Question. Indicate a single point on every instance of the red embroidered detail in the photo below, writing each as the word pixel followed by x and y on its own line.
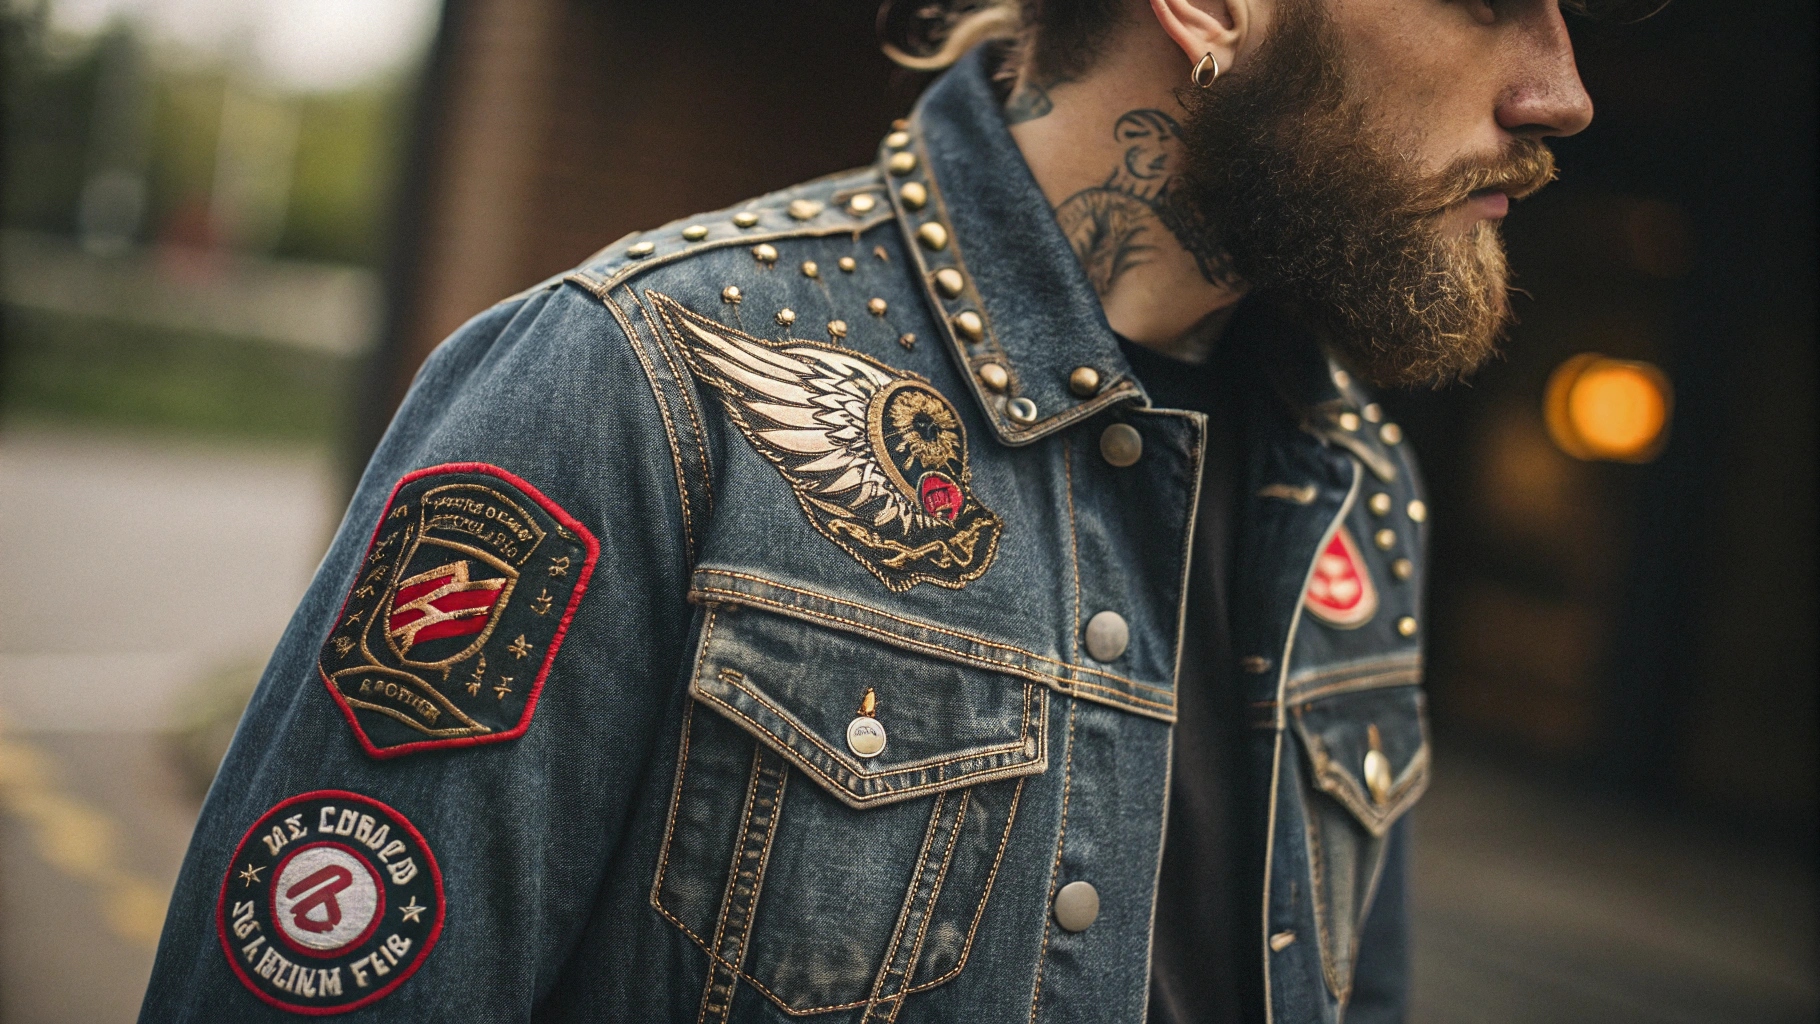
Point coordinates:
pixel 461 584
pixel 940 497
pixel 1340 591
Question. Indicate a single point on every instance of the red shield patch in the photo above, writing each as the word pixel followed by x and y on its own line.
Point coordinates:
pixel 1340 591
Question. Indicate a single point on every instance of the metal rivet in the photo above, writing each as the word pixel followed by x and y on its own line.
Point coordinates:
pixel 745 219
pixel 861 204
pixel 907 340
pixel 899 124
pixel 933 236
pixel 765 253
pixel 1256 664
pixel 1379 504
pixel 695 232
pixel 1373 412
pixel 810 269
pixel 640 250
pixel 1377 775
pixel 1021 410
pixel 1077 906
pixel 1107 636
pixel 969 323
pixel 1342 379
pixel 1084 381
pixel 837 328
pixel 1281 941
pixel 950 281
pixel 847 263
pixel 1418 511
pixel 803 209
pixel 1385 539
pixel 1121 445
pixel 1402 568
pixel 1390 433
pixel 876 306
pixel 730 293
pixel 1406 626
pixel 897 139
pixel 901 163
pixel 866 736
pixel 994 376
pixel 913 194
pixel 1349 421
pixel 786 316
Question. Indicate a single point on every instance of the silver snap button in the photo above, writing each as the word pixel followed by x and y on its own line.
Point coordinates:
pixel 1107 636
pixel 1121 444
pixel 866 736
pixel 1076 906
pixel 1021 410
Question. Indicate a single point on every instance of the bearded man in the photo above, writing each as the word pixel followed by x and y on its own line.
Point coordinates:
pixel 977 587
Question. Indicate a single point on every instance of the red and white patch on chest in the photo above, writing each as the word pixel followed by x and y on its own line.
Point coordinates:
pixel 1340 592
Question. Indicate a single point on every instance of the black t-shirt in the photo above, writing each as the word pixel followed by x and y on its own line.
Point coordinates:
pixel 1199 970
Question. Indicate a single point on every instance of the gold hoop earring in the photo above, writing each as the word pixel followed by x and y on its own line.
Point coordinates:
pixel 1208 60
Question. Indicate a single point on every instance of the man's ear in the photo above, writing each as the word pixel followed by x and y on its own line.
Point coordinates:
pixel 1200 27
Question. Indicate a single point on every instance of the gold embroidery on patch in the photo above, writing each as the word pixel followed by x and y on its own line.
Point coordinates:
pixel 876 456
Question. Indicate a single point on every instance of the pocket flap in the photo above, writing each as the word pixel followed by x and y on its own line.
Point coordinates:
pixel 798 688
pixel 1367 744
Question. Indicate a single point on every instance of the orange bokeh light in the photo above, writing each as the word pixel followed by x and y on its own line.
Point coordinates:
pixel 1612 409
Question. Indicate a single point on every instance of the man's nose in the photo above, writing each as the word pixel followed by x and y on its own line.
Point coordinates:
pixel 1545 97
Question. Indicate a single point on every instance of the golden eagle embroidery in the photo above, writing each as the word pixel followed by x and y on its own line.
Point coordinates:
pixel 876 456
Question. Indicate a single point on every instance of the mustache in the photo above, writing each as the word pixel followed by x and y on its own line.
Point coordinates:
pixel 1519 172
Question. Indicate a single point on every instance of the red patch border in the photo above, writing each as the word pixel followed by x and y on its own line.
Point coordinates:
pixel 582 576
pixel 429 940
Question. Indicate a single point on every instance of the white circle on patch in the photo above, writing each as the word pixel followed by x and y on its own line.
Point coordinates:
pixel 326 898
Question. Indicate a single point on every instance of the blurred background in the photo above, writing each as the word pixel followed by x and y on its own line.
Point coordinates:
pixel 231 229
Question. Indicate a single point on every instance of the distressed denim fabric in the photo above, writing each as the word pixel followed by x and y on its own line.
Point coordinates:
pixel 684 831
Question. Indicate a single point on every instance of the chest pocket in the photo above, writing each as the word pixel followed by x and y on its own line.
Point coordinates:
pixel 824 879
pixel 1365 733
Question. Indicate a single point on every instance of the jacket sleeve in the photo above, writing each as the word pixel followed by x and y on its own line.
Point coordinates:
pixel 549 390
pixel 1380 986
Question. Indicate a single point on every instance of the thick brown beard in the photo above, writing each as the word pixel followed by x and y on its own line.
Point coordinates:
pixel 1323 219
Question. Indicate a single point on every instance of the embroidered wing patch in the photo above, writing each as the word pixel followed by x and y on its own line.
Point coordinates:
pixel 332 900
pixel 457 612
pixel 877 456
pixel 1340 592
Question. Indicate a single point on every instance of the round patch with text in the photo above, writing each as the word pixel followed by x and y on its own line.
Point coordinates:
pixel 333 899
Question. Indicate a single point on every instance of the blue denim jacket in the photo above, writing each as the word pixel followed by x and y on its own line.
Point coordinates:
pixel 707 641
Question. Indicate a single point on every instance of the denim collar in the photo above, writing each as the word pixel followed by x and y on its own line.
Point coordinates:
pixel 1015 303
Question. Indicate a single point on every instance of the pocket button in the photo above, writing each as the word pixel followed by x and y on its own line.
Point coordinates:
pixel 1076 906
pixel 866 736
pixel 1107 636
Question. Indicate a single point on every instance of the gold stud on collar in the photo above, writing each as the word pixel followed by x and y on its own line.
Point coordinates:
pixel 876 307
pixel 1402 568
pixel 1418 511
pixel 994 376
pixel 730 293
pixel 847 263
pixel 933 236
pixel 1379 504
pixel 901 163
pixel 907 340
pixel 804 209
pixel 913 194
pixel 1406 626
pixel 695 232
pixel 1385 539
pixel 765 253
pixel 1390 433
pixel 861 204
pixel 745 219
pixel 837 328
pixel 950 281
pixel 1349 422
pixel 1373 412
pixel 969 324
pixel 897 139
pixel 810 269
pixel 1342 379
pixel 640 250
pixel 1084 381
pixel 786 317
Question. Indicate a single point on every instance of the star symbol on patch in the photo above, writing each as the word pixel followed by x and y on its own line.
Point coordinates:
pixel 501 688
pixel 559 566
pixel 520 647
pixel 542 602
pixel 251 874
pixel 411 911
